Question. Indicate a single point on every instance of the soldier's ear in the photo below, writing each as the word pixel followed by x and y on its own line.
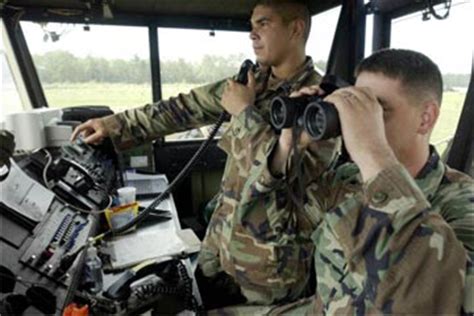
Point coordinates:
pixel 298 28
pixel 429 116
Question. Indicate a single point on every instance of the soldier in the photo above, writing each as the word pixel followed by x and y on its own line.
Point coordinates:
pixel 273 267
pixel 396 225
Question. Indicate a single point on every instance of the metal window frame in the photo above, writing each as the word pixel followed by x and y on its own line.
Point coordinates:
pixel 23 69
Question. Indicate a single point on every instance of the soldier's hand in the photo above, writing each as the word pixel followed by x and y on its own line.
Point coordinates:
pixel 93 131
pixel 308 90
pixel 363 129
pixel 238 97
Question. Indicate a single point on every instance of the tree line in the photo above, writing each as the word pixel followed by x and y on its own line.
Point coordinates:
pixel 62 67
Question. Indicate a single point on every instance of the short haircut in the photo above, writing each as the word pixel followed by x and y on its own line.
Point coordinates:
pixel 290 10
pixel 419 75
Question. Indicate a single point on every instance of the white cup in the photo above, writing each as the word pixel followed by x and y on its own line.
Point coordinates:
pixel 126 195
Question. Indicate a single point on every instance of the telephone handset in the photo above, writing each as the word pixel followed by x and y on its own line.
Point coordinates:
pixel 148 280
pixel 241 78
pixel 76 185
pixel 244 69
pixel 121 290
pixel 81 187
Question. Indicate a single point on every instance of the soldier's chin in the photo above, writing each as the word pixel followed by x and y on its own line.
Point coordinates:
pixel 262 62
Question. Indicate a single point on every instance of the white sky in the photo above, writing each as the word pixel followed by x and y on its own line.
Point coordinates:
pixel 449 42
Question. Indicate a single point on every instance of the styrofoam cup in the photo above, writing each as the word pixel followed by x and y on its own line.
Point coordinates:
pixel 126 195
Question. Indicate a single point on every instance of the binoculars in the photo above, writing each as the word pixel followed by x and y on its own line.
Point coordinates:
pixel 320 119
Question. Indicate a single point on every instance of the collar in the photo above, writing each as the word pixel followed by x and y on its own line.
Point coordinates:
pixel 295 82
pixel 430 176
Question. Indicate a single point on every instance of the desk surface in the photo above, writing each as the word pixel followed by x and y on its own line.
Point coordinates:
pixel 150 238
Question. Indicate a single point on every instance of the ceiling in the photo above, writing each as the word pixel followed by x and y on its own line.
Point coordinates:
pixel 224 13
pixel 197 8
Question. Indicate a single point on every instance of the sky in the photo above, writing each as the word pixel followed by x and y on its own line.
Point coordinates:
pixel 449 42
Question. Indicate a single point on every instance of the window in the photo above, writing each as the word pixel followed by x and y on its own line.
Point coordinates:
pixel 10 96
pixel 191 58
pixel 323 28
pixel 447 43
pixel 91 65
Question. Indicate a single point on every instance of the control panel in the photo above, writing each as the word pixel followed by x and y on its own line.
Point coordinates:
pixel 68 187
pixel 78 173
pixel 63 232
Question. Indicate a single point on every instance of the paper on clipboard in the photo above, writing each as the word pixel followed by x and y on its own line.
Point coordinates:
pixel 24 195
pixel 147 244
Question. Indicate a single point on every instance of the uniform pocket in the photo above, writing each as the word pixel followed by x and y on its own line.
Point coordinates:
pixel 268 264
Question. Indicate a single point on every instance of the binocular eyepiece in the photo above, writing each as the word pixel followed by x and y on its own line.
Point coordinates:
pixel 320 119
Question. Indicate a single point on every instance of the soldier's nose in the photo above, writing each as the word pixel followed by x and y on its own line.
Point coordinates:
pixel 253 35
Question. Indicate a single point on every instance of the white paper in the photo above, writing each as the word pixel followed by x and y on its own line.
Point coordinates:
pixel 146 183
pixel 148 244
pixel 130 175
pixel 25 195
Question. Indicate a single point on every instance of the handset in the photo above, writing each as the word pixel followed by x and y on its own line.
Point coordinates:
pixel 244 69
pixel 121 288
pixel 84 181
pixel 242 79
pixel 74 182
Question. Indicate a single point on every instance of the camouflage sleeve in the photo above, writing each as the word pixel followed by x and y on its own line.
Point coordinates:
pixel 273 238
pixel 458 211
pixel 199 107
pixel 277 234
pixel 267 196
pixel 408 258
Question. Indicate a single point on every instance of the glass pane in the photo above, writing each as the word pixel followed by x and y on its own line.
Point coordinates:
pixel 91 65
pixel 323 27
pixel 448 43
pixel 10 97
pixel 191 58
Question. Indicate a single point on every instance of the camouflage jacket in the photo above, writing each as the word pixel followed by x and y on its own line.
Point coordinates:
pixel 269 267
pixel 391 245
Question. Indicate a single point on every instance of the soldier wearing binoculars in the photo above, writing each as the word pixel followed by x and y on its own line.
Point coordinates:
pixel 395 226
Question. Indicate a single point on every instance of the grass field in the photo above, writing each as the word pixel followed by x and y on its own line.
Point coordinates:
pixel 124 96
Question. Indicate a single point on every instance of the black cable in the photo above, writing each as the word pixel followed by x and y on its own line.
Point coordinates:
pixel 169 189
pixel 247 66
pixel 67 261
pixel 190 301
pixel 242 79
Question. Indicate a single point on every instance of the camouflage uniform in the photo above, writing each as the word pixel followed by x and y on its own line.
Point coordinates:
pixel 269 267
pixel 391 245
